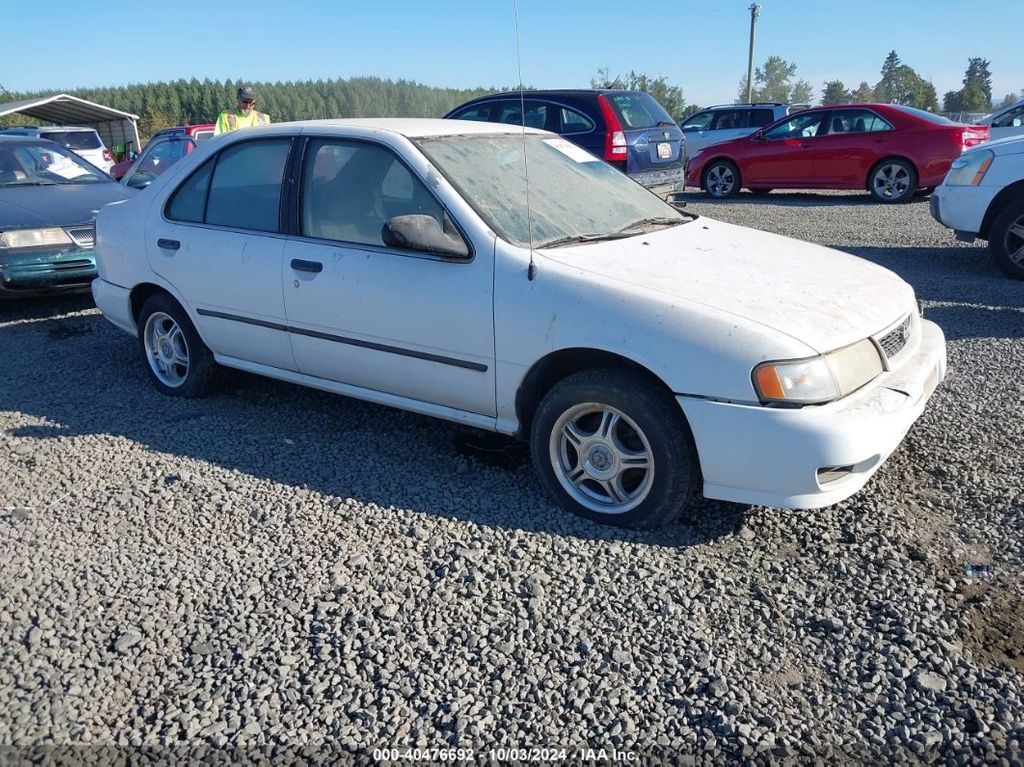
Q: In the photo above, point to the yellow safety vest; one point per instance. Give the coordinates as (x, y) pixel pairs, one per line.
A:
(233, 120)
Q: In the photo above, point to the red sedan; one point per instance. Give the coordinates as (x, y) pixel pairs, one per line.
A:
(890, 150)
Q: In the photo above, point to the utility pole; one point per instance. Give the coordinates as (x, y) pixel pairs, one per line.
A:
(755, 9)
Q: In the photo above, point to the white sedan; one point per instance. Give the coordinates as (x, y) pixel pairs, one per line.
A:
(646, 353)
(983, 196)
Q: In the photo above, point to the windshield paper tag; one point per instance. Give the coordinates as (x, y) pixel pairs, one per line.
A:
(570, 150)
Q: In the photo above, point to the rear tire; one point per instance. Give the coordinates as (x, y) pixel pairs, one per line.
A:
(893, 180)
(178, 362)
(924, 191)
(1006, 239)
(721, 179)
(613, 447)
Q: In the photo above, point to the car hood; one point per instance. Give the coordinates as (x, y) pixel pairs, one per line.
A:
(819, 296)
(22, 207)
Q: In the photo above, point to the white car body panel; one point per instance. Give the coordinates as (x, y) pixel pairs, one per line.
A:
(963, 208)
(698, 305)
(1007, 122)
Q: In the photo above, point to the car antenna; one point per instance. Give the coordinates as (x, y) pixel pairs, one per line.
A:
(531, 271)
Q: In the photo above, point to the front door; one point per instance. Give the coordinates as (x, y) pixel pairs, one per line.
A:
(783, 156)
(362, 313)
(219, 246)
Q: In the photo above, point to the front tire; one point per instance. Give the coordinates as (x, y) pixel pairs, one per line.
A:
(614, 448)
(722, 179)
(178, 362)
(893, 181)
(1006, 239)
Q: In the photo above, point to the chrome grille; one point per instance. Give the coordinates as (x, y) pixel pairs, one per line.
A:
(84, 236)
(892, 343)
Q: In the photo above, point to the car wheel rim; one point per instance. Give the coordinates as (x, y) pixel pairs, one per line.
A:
(166, 349)
(602, 458)
(892, 181)
(720, 180)
(1014, 243)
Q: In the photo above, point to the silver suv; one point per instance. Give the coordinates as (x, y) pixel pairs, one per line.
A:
(728, 121)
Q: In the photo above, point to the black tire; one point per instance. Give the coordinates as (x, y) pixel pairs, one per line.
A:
(721, 179)
(893, 181)
(760, 192)
(653, 428)
(1006, 239)
(201, 375)
(924, 191)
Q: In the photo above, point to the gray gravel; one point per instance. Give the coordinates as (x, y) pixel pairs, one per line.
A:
(279, 568)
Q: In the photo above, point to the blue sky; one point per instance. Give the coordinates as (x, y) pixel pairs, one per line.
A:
(698, 45)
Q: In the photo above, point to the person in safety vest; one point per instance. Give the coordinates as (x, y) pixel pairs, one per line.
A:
(245, 116)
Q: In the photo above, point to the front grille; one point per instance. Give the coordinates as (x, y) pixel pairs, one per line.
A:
(84, 236)
(892, 343)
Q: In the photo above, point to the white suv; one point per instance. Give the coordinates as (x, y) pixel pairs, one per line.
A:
(983, 196)
(85, 142)
(728, 121)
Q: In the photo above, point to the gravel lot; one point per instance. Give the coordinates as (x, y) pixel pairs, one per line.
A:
(280, 568)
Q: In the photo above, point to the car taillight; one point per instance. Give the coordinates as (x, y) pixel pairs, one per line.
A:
(973, 137)
(107, 156)
(615, 148)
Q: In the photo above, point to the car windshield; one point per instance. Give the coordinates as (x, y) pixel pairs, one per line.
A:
(573, 196)
(929, 116)
(45, 164)
(73, 139)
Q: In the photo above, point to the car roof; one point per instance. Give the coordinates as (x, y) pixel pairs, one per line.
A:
(51, 128)
(552, 92)
(411, 127)
(11, 138)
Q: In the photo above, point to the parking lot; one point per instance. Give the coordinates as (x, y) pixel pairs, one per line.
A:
(275, 566)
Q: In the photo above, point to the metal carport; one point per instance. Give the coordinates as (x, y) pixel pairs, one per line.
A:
(114, 126)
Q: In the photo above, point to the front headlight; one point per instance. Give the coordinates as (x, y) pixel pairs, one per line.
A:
(818, 379)
(33, 238)
(969, 169)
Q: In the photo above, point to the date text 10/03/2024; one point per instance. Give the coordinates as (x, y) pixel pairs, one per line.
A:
(597, 755)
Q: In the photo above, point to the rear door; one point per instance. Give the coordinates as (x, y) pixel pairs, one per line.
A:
(729, 124)
(653, 139)
(219, 243)
(783, 155)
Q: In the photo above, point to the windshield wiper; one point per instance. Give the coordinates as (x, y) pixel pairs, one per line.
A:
(43, 182)
(665, 123)
(652, 221)
(573, 239)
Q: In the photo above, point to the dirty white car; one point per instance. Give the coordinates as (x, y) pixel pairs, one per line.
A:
(646, 353)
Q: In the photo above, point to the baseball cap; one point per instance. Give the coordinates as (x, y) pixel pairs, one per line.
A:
(246, 92)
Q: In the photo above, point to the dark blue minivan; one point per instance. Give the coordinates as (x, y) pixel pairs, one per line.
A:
(628, 129)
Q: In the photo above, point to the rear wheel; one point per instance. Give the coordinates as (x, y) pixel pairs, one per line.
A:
(893, 181)
(614, 448)
(1006, 239)
(722, 179)
(178, 361)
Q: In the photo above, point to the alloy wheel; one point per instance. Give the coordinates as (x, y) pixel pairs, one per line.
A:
(601, 458)
(1014, 242)
(891, 181)
(720, 180)
(166, 349)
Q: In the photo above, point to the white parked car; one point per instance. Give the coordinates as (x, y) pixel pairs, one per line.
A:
(85, 142)
(645, 352)
(982, 196)
(1006, 122)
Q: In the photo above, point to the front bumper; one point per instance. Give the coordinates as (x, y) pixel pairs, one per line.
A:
(772, 456)
(961, 208)
(31, 272)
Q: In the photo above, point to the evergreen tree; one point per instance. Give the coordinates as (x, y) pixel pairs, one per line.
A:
(976, 95)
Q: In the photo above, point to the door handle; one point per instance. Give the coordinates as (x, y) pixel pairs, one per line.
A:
(168, 244)
(307, 266)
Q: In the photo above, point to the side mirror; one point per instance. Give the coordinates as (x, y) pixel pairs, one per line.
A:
(422, 234)
(758, 136)
(139, 180)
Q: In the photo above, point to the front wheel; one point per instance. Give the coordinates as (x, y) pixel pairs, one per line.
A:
(1006, 239)
(614, 448)
(722, 179)
(178, 361)
(893, 181)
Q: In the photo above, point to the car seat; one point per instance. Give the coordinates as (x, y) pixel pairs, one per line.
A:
(514, 118)
(860, 126)
(838, 126)
(9, 170)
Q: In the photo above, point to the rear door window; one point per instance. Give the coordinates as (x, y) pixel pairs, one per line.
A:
(573, 121)
(856, 121)
(730, 119)
(240, 188)
(74, 139)
(761, 117)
